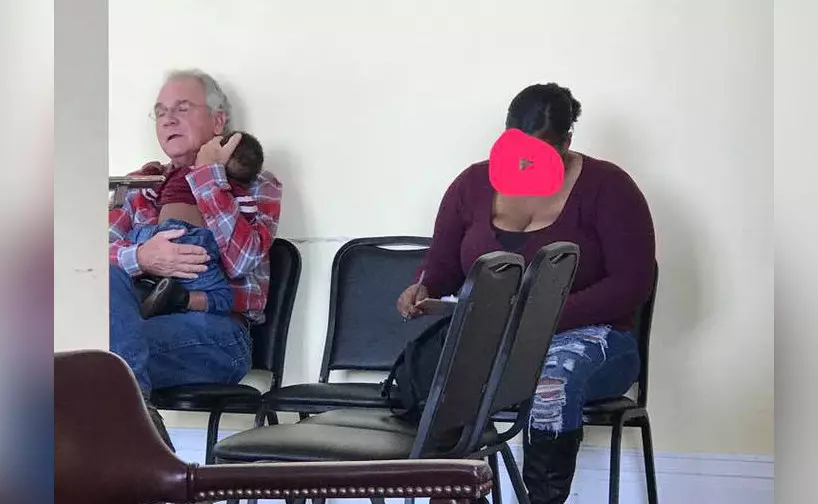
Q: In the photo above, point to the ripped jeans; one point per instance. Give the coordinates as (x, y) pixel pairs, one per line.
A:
(583, 364)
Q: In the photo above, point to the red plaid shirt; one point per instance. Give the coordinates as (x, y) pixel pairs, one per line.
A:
(244, 244)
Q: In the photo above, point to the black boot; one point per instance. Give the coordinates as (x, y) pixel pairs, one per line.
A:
(159, 423)
(549, 464)
(168, 296)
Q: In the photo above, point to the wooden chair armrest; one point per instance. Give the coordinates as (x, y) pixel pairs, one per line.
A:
(460, 480)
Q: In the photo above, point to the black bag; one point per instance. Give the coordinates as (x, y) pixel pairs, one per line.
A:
(410, 380)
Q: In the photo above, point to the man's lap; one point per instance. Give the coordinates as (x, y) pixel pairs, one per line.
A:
(182, 348)
(168, 333)
(196, 347)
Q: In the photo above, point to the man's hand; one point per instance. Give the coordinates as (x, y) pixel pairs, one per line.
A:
(213, 152)
(159, 256)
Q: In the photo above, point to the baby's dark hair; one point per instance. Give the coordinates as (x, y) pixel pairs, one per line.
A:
(546, 109)
(246, 161)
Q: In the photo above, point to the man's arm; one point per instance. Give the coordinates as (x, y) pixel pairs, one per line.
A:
(242, 244)
(121, 251)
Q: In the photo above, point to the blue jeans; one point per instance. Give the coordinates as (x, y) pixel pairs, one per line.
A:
(212, 282)
(584, 364)
(176, 349)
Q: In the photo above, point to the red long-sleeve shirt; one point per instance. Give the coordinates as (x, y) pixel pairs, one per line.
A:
(606, 215)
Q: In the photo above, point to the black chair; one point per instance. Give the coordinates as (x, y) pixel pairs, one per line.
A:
(364, 331)
(451, 414)
(617, 412)
(623, 411)
(269, 342)
(545, 286)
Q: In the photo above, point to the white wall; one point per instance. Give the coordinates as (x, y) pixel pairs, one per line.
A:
(80, 265)
(347, 96)
(796, 298)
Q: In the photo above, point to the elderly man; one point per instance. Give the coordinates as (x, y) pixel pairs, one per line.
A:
(191, 112)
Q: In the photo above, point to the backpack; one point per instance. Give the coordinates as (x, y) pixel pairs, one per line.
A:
(410, 379)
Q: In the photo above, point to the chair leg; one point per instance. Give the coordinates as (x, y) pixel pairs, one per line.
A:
(650, 467)
(496, 494)
(514, 474)
(212, 436)
(616, 450)
(268, 417)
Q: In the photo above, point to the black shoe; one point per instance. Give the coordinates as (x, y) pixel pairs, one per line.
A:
(169, 296)
(144, 285)
(548, 465)
(160, 425)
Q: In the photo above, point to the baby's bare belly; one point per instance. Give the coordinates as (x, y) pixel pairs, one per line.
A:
(183, 212)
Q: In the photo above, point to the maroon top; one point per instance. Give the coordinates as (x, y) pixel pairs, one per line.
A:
(606, 215)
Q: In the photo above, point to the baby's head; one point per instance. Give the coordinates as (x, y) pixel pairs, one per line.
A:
(246, 161)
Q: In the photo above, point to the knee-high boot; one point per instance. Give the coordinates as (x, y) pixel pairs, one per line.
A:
(548, 465)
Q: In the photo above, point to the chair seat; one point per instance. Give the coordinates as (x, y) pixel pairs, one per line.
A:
(372, 419)
(607, 406)
(322, 396)
(378, 420)
(505, 416)
(312, 443)
(206, 397)
(594, 408)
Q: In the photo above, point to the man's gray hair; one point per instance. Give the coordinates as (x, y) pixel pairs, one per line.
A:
(215, 97)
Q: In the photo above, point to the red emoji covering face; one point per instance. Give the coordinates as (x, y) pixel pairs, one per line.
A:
(522, 165)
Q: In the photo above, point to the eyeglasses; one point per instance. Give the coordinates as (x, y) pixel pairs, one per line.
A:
(179, 109)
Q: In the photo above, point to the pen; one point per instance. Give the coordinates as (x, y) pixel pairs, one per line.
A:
(420, 281)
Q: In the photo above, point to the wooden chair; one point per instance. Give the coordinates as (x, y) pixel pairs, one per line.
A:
(107, 451)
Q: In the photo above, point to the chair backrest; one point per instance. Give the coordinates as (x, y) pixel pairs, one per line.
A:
(545, 287)
(105, 447)
(469, 353)
(642, 325)
(270, 338)
(364, 330)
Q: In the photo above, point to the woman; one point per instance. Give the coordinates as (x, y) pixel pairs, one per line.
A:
(594, 354)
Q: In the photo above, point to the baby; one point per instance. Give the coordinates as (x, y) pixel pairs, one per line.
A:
(178, 209)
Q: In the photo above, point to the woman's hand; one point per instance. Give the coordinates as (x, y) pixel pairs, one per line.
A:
(408, 300)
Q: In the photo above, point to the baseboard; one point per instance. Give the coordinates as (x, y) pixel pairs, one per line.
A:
(683, 478)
